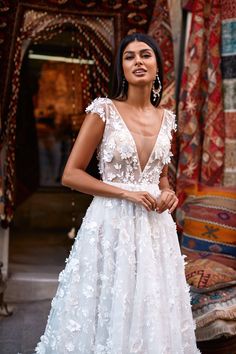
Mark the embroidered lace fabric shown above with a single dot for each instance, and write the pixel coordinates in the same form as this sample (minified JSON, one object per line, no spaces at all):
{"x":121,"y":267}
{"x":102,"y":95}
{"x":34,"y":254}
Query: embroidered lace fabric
{"x":123,"y":290}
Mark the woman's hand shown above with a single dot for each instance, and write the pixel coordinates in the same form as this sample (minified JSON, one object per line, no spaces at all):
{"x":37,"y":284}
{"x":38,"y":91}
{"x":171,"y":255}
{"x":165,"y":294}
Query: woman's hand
{"x":167,"y":200}
{"x":143,"y":198}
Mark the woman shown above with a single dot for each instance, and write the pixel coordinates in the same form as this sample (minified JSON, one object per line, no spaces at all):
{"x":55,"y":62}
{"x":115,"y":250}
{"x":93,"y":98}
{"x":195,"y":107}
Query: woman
{"x":123,"y":289}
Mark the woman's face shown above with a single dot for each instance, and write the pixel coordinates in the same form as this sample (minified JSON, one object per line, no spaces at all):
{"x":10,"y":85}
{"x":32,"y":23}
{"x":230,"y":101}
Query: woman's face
{"x":139,"y":63}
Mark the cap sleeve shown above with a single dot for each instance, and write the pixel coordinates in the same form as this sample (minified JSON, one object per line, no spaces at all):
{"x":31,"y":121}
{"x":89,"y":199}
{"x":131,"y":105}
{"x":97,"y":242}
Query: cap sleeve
{"x":171,"y":123}
{"x":98,"y":106}
{"x":170,"y":126}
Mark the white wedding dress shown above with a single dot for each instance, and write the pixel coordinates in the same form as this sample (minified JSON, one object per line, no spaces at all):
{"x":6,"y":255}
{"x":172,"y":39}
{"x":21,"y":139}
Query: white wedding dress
{"x":123,"y":290}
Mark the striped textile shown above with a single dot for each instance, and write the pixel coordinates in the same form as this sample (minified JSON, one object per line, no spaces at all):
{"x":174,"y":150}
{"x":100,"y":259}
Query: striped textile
{"x":210,"y":225}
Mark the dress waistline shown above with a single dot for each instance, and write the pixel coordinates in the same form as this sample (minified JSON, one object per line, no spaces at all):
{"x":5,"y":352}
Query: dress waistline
{"x":152,"y":188}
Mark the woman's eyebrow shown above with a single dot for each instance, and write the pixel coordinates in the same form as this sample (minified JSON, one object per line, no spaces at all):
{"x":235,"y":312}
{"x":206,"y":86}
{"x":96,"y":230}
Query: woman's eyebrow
{"x":140,"y":51}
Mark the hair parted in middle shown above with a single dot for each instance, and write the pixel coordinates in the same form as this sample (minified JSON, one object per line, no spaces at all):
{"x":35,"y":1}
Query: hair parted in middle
{"x":119,"y":85}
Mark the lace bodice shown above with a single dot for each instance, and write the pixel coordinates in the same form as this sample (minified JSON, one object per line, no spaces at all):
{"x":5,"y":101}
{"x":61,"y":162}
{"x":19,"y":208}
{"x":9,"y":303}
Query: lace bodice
{"x":117,"y":153}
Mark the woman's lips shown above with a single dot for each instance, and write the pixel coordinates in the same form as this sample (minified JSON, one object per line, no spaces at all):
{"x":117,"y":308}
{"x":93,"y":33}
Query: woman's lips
{"x":139,"y":72}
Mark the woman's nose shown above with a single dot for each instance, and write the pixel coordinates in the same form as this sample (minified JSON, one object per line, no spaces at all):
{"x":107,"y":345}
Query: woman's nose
{"x":138,"y":60}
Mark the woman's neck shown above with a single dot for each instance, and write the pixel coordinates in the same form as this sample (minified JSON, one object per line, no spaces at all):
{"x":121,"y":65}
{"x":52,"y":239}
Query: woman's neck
{"x":139,"y":96}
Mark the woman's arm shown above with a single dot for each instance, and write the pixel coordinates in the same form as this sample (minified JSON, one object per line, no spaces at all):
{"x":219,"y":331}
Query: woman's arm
{"x":77,"y":178}
{"x":167,"y":199}
{"x":164,"y":182}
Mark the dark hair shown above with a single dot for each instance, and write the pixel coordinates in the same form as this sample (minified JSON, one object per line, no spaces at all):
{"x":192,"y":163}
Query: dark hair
{"x":120,"y":92}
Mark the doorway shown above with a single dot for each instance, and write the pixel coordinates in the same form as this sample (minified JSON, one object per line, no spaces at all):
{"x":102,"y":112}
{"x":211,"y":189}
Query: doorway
{"x":57,"y":82}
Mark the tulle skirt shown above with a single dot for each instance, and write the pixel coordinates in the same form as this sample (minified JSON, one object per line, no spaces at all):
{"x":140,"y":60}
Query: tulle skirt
{"x":123,"y":290}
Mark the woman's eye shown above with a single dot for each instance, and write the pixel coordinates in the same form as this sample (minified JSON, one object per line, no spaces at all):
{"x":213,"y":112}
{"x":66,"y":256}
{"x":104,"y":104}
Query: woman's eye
{"x":146,"y":55}
{"x":128,"y":58}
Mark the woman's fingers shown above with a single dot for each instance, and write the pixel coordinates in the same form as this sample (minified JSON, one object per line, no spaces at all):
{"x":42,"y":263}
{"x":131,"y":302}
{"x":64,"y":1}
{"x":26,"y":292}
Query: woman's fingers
{"x":143,"y":198}
{"x":148,"y":201}
{"x":174,"y":205}
{"x":147,"y":206}
{"x":167,"y":200}
{"x":164,"y":203}
{"x":151,"y":201}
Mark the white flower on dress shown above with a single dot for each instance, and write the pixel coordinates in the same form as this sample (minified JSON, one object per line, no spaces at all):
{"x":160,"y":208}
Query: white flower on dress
{"x":73,"y":326}
{"x":73,"y":264}
{"x":91,"y":225}
{"x":53,"y":342}
{"x":61,"y":292}
{"x":111,"y":143}
{"x":97,"y":107}
{"x":108,"y":204}
{"x":61,"y":275}
{"x":111,"y":176}
{"x":40,"y":348}
{"x":101,"y":349}
{"x":70,"y":347}
{"x":117,"y":125}
{"x":106,"y":244}
{"x":137,"y":347}
{"x":126,"y":151}
{"x":54,"y":302}
{"x":88,"y":291}
{"x":108,"y":155}
{"x":132,"y":178}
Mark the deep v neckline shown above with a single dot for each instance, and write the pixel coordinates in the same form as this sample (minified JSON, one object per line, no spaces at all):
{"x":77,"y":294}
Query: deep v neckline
{"x":133,"y":140}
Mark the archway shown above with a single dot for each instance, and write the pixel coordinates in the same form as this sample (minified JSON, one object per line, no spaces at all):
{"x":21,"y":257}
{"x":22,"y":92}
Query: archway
{"x":88,"y":58}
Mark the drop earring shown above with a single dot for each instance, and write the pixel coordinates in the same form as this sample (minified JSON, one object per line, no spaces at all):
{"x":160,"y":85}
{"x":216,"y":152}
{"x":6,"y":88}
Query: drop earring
{"x":156,"y":92}
{"x":123,"y":86}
